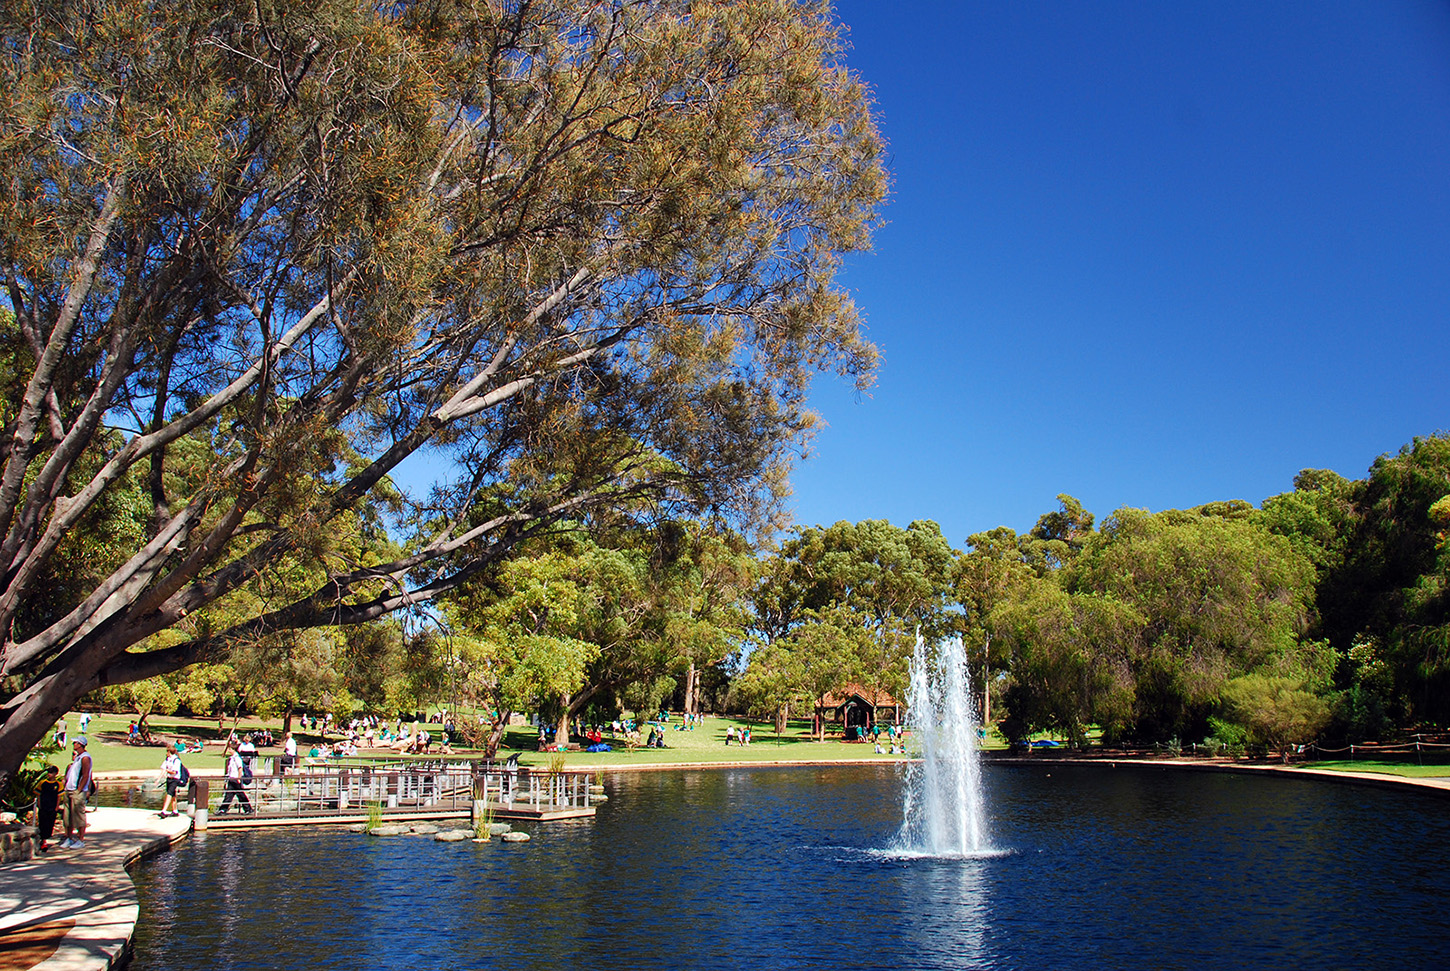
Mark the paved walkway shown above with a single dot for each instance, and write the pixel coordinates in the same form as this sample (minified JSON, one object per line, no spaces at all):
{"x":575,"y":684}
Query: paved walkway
{"x":75,"y":910}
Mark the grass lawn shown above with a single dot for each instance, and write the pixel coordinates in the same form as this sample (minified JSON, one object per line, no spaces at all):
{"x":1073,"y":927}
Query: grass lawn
{"x":1410,"y":770}
{"x":111,"y":753}
{"x":704,"y":745}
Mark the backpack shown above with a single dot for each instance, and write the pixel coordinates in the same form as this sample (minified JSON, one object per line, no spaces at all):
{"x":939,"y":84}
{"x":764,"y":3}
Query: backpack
{"x":246,"y":770}
{"x":185,"y":776}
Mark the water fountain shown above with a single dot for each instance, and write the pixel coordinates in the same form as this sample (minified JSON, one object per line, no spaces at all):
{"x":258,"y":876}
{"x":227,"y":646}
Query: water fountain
{"x":942,"y":808}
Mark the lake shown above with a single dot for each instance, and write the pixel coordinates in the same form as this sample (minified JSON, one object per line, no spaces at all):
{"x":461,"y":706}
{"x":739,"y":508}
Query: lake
{"x":786,"y":868}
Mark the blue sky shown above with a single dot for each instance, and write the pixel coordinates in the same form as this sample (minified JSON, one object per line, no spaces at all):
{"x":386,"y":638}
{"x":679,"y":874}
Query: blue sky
{"x":1148,"y":254}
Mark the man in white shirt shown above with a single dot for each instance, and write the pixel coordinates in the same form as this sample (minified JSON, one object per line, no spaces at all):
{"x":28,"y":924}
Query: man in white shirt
{"x":235,"y":789}
{"x":77,"y":789}
{"x":248,"y":751}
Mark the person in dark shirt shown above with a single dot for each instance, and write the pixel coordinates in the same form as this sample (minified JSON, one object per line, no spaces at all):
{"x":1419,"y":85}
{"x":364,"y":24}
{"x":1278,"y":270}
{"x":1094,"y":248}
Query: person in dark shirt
{"x":47,"y":805}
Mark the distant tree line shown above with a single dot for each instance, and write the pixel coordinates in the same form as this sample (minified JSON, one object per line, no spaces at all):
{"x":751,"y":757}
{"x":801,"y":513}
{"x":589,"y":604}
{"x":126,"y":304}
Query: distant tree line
{"x":1321,"y":614}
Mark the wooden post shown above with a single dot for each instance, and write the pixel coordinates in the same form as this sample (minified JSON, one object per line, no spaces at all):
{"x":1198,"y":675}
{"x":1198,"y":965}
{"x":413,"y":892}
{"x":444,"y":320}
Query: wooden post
{"x":200,"y":801}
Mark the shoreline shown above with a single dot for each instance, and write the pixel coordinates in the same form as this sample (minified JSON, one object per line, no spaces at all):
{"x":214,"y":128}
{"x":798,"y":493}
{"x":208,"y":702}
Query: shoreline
{"x":76,"y":910}
{"x":83,"y":908}
{"x":1432,"y":785}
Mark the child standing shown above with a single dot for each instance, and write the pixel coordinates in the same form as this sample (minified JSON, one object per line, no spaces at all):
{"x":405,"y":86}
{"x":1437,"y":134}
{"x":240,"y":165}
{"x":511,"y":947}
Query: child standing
{"x":47,"y":804}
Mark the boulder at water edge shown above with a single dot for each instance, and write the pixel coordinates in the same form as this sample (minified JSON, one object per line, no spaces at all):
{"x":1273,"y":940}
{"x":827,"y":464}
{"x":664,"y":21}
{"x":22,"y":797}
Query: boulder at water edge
{"x":388,"y":830}
{"x":512,"y":837}
{"x":453,"y":836}
{"x":496,"y":829}
{"x":424,"y":829}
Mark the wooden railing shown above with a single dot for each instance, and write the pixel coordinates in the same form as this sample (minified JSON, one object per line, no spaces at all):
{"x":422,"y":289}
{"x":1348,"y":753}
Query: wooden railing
{"x":399,"y":787}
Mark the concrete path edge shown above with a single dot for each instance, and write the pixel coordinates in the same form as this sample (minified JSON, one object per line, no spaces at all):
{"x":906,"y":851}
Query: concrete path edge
{"x":91,"y":886}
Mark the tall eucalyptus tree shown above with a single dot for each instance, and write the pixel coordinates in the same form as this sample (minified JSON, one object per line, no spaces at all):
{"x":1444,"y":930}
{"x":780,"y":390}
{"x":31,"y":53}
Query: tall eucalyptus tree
{"x":568,"y":253}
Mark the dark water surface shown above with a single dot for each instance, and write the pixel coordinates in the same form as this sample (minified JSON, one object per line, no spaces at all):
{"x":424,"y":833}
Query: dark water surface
{"x":776,"y":868}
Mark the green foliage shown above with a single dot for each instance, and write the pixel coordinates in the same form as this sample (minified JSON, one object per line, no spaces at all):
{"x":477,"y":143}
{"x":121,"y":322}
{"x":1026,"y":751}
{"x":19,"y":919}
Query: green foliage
{"x":772,"y":683}
{"x":1143,"y":622}
{"x":19,"y":791}
{"x":847,"y":600}
{"x":585,"y":256}
{"x":1392,"y":589}
{"x":1226,"y":737}
{"x":1275,"y":711}
{"x":1058,"y":536}
{"x":483,"y":823}
{"x":1070,"y":666}
{"x":154,"y":696}
{"x":1315,"y":517}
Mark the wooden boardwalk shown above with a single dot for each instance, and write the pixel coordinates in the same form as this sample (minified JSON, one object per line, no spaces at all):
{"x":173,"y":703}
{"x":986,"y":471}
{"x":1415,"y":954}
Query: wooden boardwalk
{"x":395,"y":790}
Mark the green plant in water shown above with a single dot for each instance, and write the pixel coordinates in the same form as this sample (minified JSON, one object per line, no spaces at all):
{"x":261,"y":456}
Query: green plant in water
{"x":375,"y":815}
{"x":556,"y":762}
{"x":482,"y":821}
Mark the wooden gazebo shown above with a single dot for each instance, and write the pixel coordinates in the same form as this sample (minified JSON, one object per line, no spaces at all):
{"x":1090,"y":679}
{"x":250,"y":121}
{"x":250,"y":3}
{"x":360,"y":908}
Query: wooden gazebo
{"x":856,"y":706}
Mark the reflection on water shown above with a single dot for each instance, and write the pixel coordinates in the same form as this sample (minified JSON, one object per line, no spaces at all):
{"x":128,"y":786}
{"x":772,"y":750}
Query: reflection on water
{"x":789,"y":868}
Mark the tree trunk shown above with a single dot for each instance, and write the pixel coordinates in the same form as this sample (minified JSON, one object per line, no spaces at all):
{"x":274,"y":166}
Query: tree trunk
{"x":987,"y":682}
{"x":28,"y":717}
{"x":782,"y":717}
{"x":561,"y":731}
{"x":691,"y":686}
{"x":287,"y":719}
{"x":495,"y":734}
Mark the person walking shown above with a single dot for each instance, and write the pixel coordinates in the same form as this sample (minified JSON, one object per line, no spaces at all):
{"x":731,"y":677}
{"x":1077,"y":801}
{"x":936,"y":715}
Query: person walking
{"x":174,"y":771}
{"x":248,"y":751}
{"x":77,"y":789}
{"x":236,"y":783}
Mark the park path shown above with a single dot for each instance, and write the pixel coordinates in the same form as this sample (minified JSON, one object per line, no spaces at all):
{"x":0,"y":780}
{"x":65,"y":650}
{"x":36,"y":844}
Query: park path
{"x":75,"y":910}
